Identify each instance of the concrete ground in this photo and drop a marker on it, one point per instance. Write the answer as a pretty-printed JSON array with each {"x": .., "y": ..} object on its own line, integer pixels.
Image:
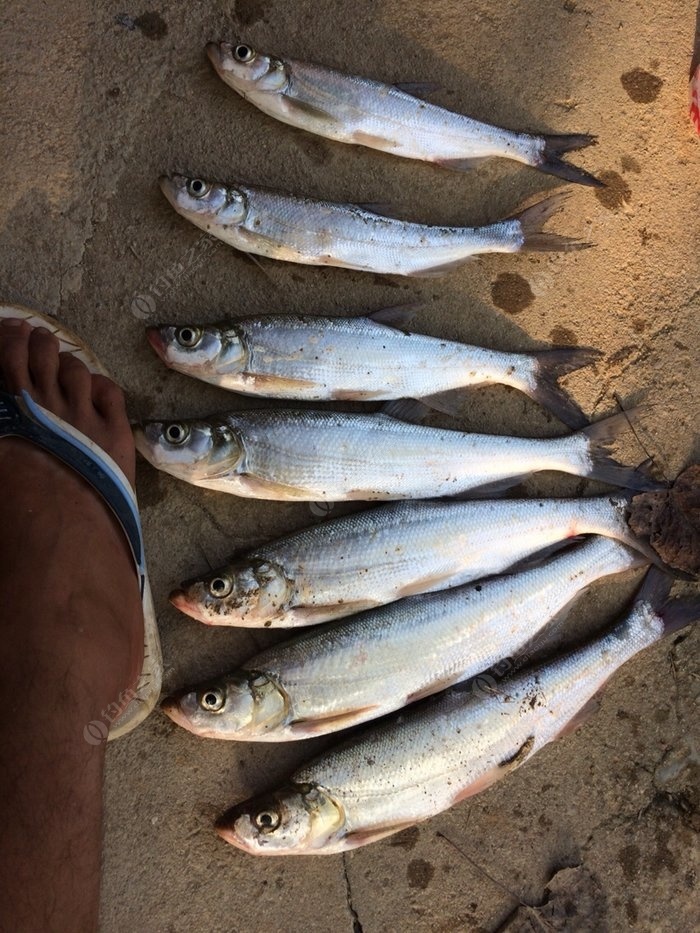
[{"x": 597, "y": 832}]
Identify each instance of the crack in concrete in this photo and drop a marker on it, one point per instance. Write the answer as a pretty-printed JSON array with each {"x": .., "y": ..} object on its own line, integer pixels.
[{"x": 356, "y": 924}]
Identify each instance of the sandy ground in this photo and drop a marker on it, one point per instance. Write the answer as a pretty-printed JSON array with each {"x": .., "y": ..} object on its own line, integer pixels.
[{"x": 102, "y": 98}]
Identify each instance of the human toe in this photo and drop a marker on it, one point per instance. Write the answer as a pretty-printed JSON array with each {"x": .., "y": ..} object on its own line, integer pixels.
[
  {"x": 14, "y": 354},
  {"x": 43, "y": 362}
]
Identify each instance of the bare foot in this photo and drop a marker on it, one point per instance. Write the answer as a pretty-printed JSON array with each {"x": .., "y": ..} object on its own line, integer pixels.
[
  {"x": 64, "y": 535},
  {"x": 72, "y": 637}
]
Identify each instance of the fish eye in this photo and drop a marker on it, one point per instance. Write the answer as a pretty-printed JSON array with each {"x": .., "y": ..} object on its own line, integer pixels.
[
  {"x": 212, "y": 700},
  {"x": 244, "y": 53},
  {"x": 267, "y": 820},
  {"x": 198, "y": 188},
  {"x": 176, "y": 433},
  {"x": 188, "y": 336},
  {"x": 220, "y": 587}
]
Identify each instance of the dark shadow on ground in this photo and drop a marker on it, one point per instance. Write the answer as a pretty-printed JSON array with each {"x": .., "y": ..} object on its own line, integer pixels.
[{"x": 695, "y": 61}]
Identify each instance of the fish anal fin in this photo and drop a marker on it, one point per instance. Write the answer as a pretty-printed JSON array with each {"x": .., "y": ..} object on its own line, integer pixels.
[
  {"x": 372, "y": 142},
  {"x": 492, "y": 489},
  {"x": 582, "y": 716},
  {"x": 441, "y": 269},
  {"x": 424, "y": 585},
  {"x": 461, "y": 165},
  {"x": 449, "y": 402},
  {"x": 432, "y": 688},
  {"x": 365, "y": 836},
  {"x": 410, "y": 410},
  {"x": 497, "y": 771},
  {"x": 331, "y": 723}
]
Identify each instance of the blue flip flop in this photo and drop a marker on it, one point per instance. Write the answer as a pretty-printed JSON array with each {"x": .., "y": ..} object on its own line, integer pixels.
[{"x": 21, "y": 416}]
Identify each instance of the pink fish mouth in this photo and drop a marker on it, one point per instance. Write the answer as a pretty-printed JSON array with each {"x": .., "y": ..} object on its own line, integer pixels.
[
  {"x": 181, "y": 601},
  {"x": 155, "y": 338}
]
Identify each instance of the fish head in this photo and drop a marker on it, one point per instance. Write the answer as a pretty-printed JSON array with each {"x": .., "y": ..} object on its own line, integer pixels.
[
  {"x": 248, "y": 592},
  {"x": 245, "y": 69},
  {"x": 205, "y": 202},
  {"x": 194, "y": 450},
  {"x": 241, "y": 705},
  {"x": 199, "y": 351},
  {"x": 297, "y": 819}
]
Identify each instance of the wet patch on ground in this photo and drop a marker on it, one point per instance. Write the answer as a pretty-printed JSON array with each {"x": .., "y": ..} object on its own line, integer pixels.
[
  {"x": 511, "y": 293},
  {"x": 642, "y": 86},
  {"x": 616, "y": 192}
]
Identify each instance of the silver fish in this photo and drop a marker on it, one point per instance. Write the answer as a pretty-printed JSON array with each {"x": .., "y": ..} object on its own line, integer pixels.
[
  {"x": 323, "y": 455},
  {"x": 349, "y": 672},
  {"x": 374, "y": 557},
  {"x": 357, "y": 110},
  {"x": 398, "y": 773},
  {"x": 360, "y": 358},
  {"x": 320, "y": 233}
]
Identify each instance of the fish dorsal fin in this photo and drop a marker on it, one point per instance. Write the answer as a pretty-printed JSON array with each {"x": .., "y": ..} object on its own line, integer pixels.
[
  {"x": 417, "y": 88},
  {"x": 400, "y": 317},
  {"x": 383, "y": 208}
]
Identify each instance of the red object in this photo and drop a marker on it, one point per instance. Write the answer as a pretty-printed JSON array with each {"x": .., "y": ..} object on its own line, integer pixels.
[{"x": 695, "y": 99}]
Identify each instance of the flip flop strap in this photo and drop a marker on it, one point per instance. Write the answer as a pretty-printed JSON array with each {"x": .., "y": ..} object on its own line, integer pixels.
[{"x": 22, "y": 417}]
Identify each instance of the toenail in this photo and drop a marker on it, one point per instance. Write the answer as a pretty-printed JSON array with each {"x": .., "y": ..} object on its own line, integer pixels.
[
  {"x": 12, "y": 322},
  {"x": 42, "y": 330}
]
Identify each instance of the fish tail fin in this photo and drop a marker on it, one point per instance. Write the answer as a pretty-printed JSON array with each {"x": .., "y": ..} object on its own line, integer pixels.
[
  {"x": 600, "y": 437},
  {"x": 674, "y": 613},
  {"x": 534, "y": 217},
  {"x": 552, "y": 164},
  {"x": 550, "y": 366}
]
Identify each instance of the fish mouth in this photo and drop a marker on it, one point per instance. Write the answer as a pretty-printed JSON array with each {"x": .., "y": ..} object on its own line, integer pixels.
[
  {"x": 155, "y": 338},
  {"x": 217, "y": 53},
  {"x": 170, "y": 185},
  {"x": 181, "y": 601}
]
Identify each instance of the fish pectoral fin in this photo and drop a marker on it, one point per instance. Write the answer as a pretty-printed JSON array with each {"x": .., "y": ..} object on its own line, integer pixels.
[
  {"x": 332, "y": 723},
  {"x": 461, "y": 165},
  {"x": 365, "y": 836},
  {"x": 301, "y": 108},
  {"x": 582, "y": 716},
  {"x": 440, "y": 269},
  {"x": 310, "y": 615},
  {"x": 271, "y": 384},
  {"x": 497, "y": 772}
]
